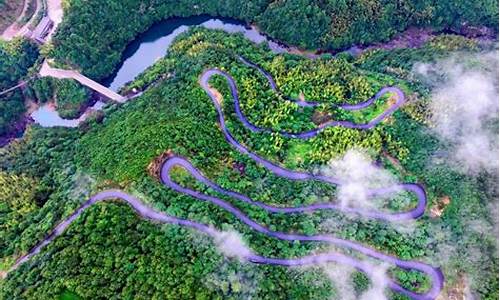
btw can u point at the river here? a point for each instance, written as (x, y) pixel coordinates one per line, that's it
(153, 44)
(147, 48)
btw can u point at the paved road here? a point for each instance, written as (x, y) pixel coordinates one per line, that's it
(411, 214)
(362, 265)
(47, 70)
(310, 133)
(309, 103)
(20, 84)
(13, 30)
(55, 13)
(434, 273)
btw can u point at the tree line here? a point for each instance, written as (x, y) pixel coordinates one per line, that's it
(16, 57)
(94, 33)
(138, 258)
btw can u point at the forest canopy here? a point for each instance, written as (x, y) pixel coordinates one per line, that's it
(328, 25)
(292, 115)
(115, 149)
(16, 57)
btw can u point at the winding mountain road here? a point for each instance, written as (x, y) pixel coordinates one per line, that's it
(308, 103)
(385, 216)
(363, 265)
(400, 100)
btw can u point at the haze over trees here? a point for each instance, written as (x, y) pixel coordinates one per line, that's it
(110, 252)
(143, 259)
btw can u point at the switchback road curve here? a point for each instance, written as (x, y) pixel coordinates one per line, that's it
(309, 103)
(147, 212)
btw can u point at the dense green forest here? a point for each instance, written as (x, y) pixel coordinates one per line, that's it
(69, 96)
(94, 33)
(51, 171)
(16, 57)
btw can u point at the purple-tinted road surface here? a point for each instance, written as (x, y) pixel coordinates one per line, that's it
(149, 213)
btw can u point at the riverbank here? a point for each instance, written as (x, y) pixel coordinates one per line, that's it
(48, 116)
(140, 55)
(19, 127)
(151, 45)
(16, 130)
(329, 27)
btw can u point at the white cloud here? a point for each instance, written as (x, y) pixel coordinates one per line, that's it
(464, 106)
(231, 244)
(340, 275)
(379, 282)
(358, 175)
